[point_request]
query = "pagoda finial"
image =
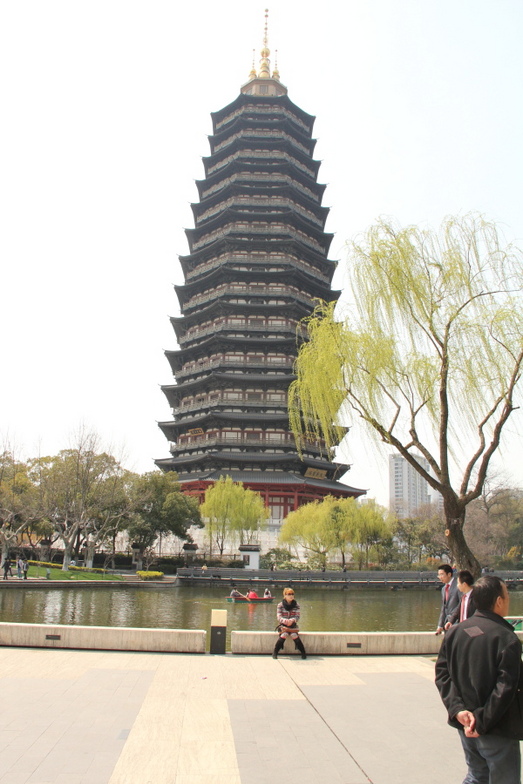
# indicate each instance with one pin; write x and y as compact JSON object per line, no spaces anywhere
{"x":263,"y":82}
{"x":276,"y":73}
{"x":265,"y":70}
{"x":252,"y":74}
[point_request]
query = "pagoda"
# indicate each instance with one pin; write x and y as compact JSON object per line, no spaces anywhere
{"x":258,"y":260}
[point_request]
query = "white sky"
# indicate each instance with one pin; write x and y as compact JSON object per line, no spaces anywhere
{"x":106,"y":110}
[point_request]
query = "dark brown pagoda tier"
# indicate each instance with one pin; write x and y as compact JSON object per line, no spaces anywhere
{"x":258,"y":261}
{"x":256,"y":253}
{"x":236,"y":223}
{"x":245,"y":172}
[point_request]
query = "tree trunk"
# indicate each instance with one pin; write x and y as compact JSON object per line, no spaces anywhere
{"x":68,"y":554}
{"x":44,"y":552}
{"x":462,"y":555}
{"x":89,"y":555}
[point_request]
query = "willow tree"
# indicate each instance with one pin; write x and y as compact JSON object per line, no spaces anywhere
{"x":428,"y":355}
{"x":232,"y":510}
{"x":310,"y":527}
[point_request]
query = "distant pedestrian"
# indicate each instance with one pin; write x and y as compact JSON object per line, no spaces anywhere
{"x":20,"y":567}
{"x":25,"y":568}
{"x":7,"y":568}
{"x":288,"y":613}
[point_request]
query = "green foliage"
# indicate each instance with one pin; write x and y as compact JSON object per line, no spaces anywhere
{"x":428,"y":355}
{"x":150,"y":575}
{"x":332,"y":525}
{"x":18,"y":508}
{"x":39,"y":569}
{"x":160,"y":507}
{"x":371,"y":533}
{"x":82,"y":492}
{"x":232,"y":511}
{"x":277,"y":557}
{"x":421,"y":536}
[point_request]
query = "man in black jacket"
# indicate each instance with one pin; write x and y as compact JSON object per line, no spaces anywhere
{"x":480,"y":680}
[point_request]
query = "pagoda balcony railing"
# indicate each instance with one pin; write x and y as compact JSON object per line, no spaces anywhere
{"x":261,"y":154}
{"x":235,"y":258}
{"x":220,"y":441}
{"x":261,"y":202}
{"x":251,"y":228}
{"x":270,"y":110}
{"x":247,"y":291}
{"x":247,"y":177}
{"x":245,"y":329}
{"x":234,"y":405}
{"x":238,"y":362}
{"x":260,"y":133}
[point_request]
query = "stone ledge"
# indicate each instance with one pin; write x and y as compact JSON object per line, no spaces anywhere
{"x":342,"y":643}
{"x":103,"y":638}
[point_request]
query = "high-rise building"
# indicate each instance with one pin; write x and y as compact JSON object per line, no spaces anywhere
{"x":408,"y":490}
{"x":258,"y":259}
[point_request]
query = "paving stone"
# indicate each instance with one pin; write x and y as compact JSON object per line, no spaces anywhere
{"x":92,"y":717}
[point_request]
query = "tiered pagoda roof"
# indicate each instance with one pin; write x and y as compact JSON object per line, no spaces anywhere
{"x":258,"y":260}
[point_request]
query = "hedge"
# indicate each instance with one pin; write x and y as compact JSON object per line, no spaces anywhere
{"x":150,"y":575}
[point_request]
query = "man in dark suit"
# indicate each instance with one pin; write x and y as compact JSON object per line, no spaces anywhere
{"x":480,"y":680}
{"x":449,"y":595}
{"x":466,"y":607}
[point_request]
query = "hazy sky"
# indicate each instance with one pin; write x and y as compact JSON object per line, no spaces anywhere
{"x":106,"y":110}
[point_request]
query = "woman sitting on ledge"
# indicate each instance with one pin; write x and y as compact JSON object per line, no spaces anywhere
{"x":288,"y":613}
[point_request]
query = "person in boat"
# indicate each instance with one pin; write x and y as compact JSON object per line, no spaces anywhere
{"x":267,"y":594}
{"x":288,"y":614}
{"x":235,"y":594}
{"x":251,"y":594}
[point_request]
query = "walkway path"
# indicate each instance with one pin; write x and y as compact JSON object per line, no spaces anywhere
{"x":86,"y":717}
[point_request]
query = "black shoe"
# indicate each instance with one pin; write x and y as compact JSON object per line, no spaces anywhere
{"x":274,"y":655}
{"x":304,"y":656}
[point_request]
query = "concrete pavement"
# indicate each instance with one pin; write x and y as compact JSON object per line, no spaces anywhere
{"x":93,"y":717}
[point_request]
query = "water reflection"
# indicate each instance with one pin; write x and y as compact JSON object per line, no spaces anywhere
{"x":190,"y":608}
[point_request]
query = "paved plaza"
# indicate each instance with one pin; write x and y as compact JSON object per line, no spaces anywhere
{"x":91,"y":717}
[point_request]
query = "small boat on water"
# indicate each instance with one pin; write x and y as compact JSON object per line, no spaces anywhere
{"x":243,"y":600}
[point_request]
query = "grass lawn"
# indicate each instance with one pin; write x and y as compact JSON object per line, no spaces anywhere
{"x":58,"y":574}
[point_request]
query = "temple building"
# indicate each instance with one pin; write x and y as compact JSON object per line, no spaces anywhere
{"x":258,"y":259}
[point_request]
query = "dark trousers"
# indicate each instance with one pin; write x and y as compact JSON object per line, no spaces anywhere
{"x":491,"y":759}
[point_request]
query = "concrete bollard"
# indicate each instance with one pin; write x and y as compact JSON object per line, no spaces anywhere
{"x":218,"y":630}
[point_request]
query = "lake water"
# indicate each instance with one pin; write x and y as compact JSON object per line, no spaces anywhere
{"x":190,"y":608}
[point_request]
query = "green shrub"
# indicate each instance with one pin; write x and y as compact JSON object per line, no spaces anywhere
{"x":150,"y":575}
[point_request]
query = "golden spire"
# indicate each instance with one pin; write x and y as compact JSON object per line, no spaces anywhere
{"x":265,"y":70}
{"x":263,"y":83}
{"x":252,"y":74}
{"x":276,"y":73}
